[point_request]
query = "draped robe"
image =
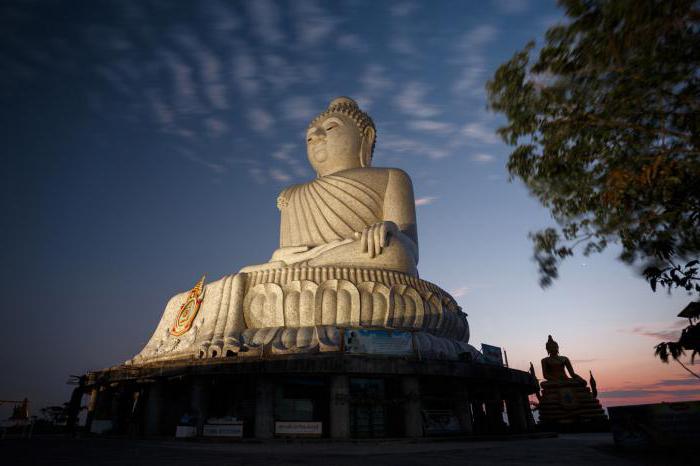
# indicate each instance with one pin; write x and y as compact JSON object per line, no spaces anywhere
{"x":327,"y":209}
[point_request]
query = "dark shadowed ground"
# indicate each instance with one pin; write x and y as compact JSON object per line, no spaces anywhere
{"x":570,"y":450}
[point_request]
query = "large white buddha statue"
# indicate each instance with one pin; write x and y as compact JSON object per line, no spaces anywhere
{"x":347,"y":258}
{"x":351,"y":214}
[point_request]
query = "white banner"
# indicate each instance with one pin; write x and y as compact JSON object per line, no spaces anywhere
{"x":299,"y":428}
{"x":223,"y":430}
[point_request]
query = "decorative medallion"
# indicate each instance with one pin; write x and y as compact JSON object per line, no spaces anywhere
{"x":188,"y":310}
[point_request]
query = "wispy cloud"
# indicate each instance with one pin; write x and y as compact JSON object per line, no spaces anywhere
{"x":403,"y":45}
{"x":217,"y":168}
{"x":257,"y":174}
{"x":280,"y":176}
{"x":403,"y":9}
{"x":431,"y":126}
{"x":299,"y":109}
{"x":464,"y":290}
{"x":245,"y":72}
{"x":511,"y":6}
{"x":660,"y":332}
{"x":215,"y":127}
{"x":411,"y":101}
{"x":209,"y":69}
{"x":312,"y":23}
{"x":279,"y":72}
{"x":259,"y":119}
{"x":283,"y":152}
{"x":478,"y":132}
{"x":375,"y":79}
{"x":670,"y":395}
{"x":426,"y":200}
{"x":352,"y":42}
{"x":482,"y":158}
{"x":677,"y":382}
{"x":469,"y":54}
{"x":265,"y":18}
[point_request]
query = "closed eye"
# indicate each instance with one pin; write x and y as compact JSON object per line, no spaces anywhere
{"x":331,"y":126}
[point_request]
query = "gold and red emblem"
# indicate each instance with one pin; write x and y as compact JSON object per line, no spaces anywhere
{"x":188,"y":310}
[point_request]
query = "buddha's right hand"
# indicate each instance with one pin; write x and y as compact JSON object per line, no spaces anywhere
{"x":375,"y":237}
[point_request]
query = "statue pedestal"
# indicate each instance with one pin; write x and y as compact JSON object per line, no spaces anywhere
{"x":295,"y":310}
{"x":570,"y":403}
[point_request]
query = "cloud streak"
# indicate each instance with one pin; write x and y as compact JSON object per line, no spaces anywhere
{"x":426,"y":200}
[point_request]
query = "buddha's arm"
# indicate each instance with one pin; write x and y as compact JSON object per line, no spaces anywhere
{"x":546,"y":373}
{"x":400,"y":208}
{"x":570,"y":369}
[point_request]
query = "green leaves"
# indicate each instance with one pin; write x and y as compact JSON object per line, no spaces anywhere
{"x":605,"y":127}
{"x":604,"y":122}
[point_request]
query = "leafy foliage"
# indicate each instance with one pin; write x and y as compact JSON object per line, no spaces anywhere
{"x":606,"y":127}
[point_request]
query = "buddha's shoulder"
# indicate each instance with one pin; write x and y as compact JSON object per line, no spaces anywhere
{"x":375,"y":174}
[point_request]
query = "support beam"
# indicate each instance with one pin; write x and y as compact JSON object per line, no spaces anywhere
{"x":155,"y":408}
{"x":199,"y":402}
{"x":340,"y":407}
{"x":494,"y":413}
{"x":91,"y":407}
{"x":516,"y":413}
{"x":529,"y":418}
{"x":413,"y":419}
{"x":264,"y":408}
{"x":463,"y":411}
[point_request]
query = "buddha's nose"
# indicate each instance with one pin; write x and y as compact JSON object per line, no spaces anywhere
{"x":315,"y":134}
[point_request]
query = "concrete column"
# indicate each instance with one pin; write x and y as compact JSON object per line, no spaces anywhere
{"x":199,"y":401}
{"x":115,"y":409}
{"x":74,"y":409}
{"x":340,"y":407}
{"x":529,"y":418}
{"x":264,"y":408}
{"x":413,"y":419}
{"x":154,"y":408}
{"x":516,"y":413}
{"x":463,"y":412}
{"x":92,"y":405}
{"x":494,"y":413}
{"x":479,"y":425}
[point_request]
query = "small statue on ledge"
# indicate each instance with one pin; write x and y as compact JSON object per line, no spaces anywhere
{"x":554,"y":368}
{"x":566,"y":400}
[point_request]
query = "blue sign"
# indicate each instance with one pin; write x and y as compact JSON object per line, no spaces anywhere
{"x":366,"y":341}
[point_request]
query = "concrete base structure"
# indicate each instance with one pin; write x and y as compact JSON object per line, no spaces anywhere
{"x":333,"y":396}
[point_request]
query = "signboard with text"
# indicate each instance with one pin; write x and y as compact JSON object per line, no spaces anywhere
{"x":369,"y":341}
{"x":492,"y":354}
{"x":299,"y":428}
{"x":234,"y":429}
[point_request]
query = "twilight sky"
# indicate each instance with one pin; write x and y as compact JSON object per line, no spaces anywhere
{"x":144,"y":143}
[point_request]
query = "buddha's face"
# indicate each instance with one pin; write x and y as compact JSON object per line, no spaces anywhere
{"x":333,"y":144}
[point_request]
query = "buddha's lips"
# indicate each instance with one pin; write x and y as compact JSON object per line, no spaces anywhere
{"x":320,"y":152}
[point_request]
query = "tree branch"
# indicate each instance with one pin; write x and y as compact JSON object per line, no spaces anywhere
{"x":686,"y":368}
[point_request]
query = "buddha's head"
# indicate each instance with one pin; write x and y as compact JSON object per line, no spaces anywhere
{"x":340,"y":138}
{"x":552,"y":346}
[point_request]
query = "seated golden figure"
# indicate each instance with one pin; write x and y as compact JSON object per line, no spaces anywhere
{"x":565,"y":399}
{"x":347,"y":258}
{"x":554,"y":368}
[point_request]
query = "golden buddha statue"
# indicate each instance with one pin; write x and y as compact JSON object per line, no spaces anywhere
{"x":347,"y":258}
{"x":566,"y":400}
{"x":554,"y":367}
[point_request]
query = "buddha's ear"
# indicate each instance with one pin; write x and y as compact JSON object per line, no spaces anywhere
{"x":367,"y":146}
